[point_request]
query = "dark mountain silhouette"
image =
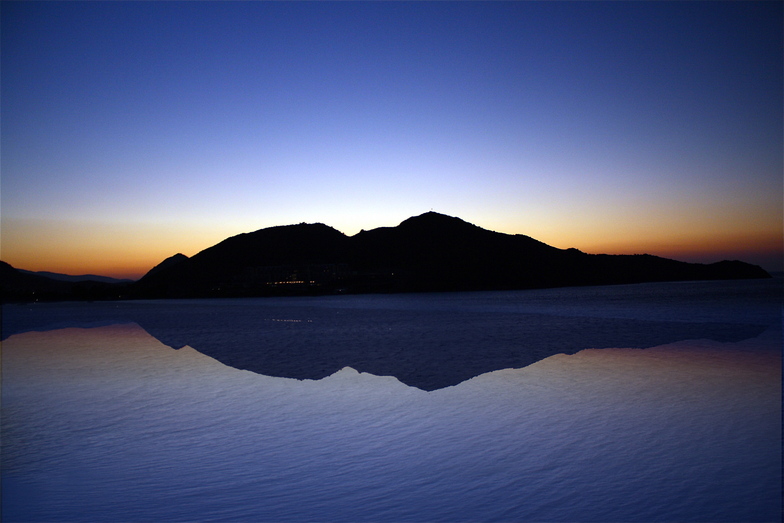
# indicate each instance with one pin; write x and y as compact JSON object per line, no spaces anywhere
{"x":431,"y":252}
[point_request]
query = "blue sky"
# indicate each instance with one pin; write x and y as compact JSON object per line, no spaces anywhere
{"x":135,"y":130}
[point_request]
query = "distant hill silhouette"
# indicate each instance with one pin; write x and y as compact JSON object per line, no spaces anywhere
{"x":430,"y":252}
{"x":16,"y":285}
{"x":76,"y":278}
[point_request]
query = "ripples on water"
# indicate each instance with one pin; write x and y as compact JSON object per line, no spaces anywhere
{"x":109,"y":424}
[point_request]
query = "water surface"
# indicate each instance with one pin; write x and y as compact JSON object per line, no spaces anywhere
{"x":103,"y":421}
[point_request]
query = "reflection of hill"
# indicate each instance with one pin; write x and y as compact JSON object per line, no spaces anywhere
{"x":452,"y":349}
{"x":428,"y":349}
{"x":431,"y":252}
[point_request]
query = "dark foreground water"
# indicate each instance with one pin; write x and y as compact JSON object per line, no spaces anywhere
{"x":656,"y":402}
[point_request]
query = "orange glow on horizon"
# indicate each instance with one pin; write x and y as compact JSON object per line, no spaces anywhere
{"x":707,"y":249}
{"x":130,"y":250}
{"x":115,"y":250}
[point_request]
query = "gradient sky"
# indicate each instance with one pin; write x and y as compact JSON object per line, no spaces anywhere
{"x":135,"y":130}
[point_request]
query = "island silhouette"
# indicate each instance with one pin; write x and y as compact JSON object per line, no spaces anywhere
{"x":425,"y":253}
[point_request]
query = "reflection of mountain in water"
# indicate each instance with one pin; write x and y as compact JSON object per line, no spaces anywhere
{"x":425,"y":348}
{"x":97,"y":419}
{"x":448,"y":349}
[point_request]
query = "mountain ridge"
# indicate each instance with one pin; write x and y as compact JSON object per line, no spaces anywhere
{"x":431,"y":252}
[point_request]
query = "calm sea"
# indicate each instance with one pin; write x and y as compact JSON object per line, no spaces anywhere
{"x":635,"y":403}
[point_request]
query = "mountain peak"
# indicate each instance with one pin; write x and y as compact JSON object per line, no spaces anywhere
{"x":432,"y":218}
{"x":432,"y":215}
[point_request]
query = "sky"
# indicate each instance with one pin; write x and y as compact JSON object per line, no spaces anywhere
{"x":132,"y":131}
